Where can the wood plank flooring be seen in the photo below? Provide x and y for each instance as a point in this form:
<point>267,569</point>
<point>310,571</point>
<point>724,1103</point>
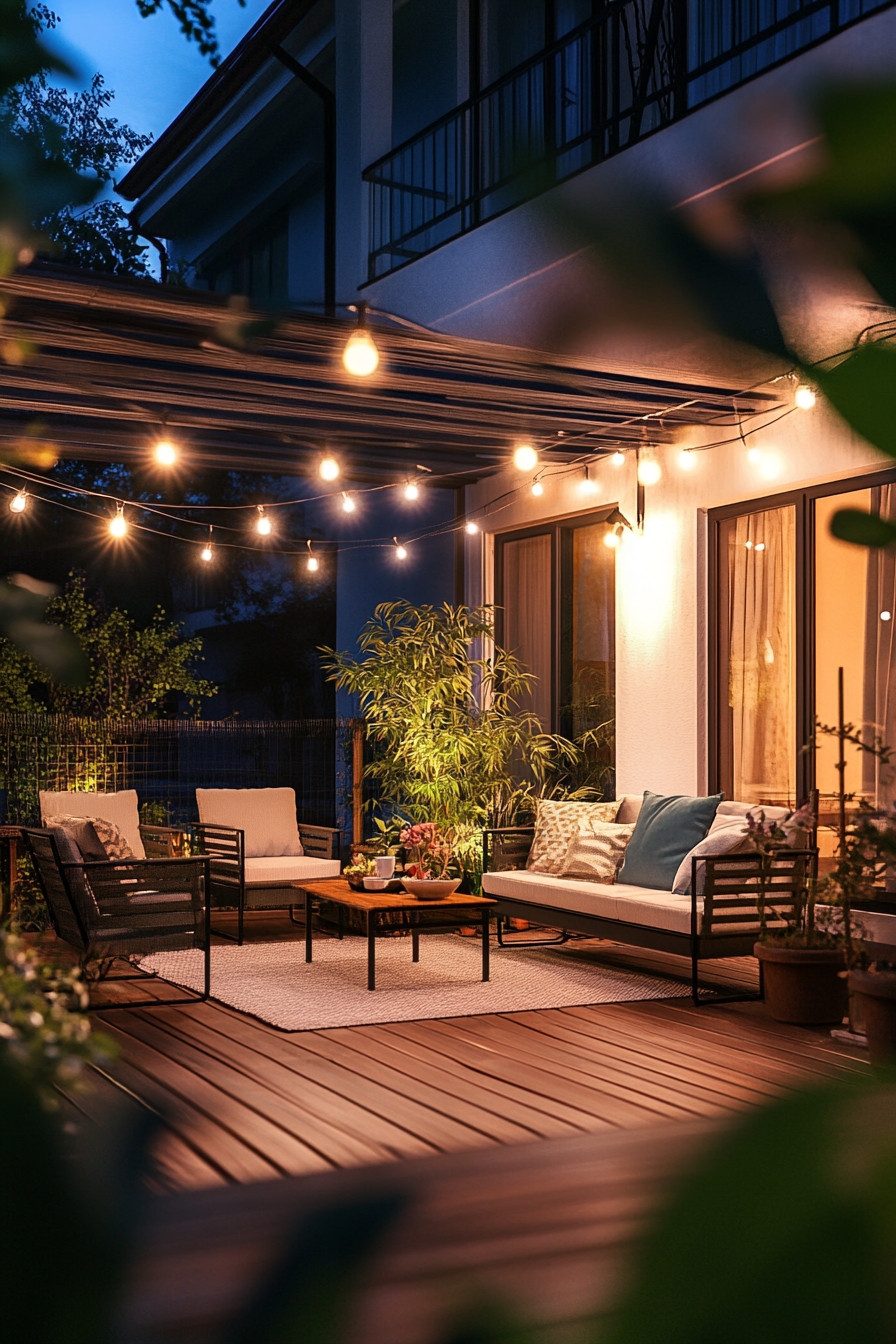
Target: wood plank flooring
<point>242,1102</point>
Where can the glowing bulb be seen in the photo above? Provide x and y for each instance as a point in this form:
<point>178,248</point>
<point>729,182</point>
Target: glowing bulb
<point>769,468</point>
<point>760,545</point>
<point>411,491</point>
<point>754,456</point>
<point>525,457</point>
<point>749,545</point>
<point>587,486</point>
<point>329,469</point>
<point>686,460</point>
<point>804,397</point>
<point>165,453</point>
<point>400,551</point>
<point>471,528</point>
<point>206,553</point>
<point>886,615</point>
<point>360,355</point>
<point>19,502</point>
<point>348,504</point>
<point>118,525</point>
<point>264,523</point>
<point>537,488</point>
<point>649,471</point>
<point>618,459</point>
<point>612,539</point>
<point>313,563</point>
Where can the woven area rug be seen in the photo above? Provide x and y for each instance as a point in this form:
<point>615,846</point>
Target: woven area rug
<point>273,982</point>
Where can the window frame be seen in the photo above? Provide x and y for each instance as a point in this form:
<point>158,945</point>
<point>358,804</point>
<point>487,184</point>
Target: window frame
<point>803,499</point>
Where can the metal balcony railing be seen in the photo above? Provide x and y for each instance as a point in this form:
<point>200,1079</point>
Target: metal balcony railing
<point>635,67</point>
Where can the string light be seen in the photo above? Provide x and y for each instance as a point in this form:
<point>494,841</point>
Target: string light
<point>537,488</point>
<point>649,471</point>
<point>760,546</point>
<point>804,397</point>
<point>525,457</point>
<point>360,356</point>
<point>207,553</point>
<point>264,523</point>
<point>118,525</point>
<point>587,486</point>
<point>612,539</point>
<point>312,562</point>
<point>618,459</point>
<point>886,615</point>
<point>400,551</point>
<point>165,453</point>
<point>329,469</point>
<point>769,467</point>
<point>471,528</point>
<point>754,456</point>
<point>687,460</point>
<point>348,504</point>
<point>19,501</point>
<point>411,491</point>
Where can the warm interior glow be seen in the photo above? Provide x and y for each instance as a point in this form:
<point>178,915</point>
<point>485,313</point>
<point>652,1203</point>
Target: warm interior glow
<point>647,569</point>
<point>360,355</point>
<point>537,488</point>
<point>804,397</point>
<point>329,469</point>
<point>348,504</point>
<point>165,453</point>
<point>411,491</point>
<point>118,525</point>
<point>19,502</point>
<point>649,471</point>
<point>525,457</point>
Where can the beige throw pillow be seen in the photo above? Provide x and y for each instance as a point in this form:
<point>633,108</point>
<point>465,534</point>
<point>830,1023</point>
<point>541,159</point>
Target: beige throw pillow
<point>597,851</point>
<point>556,823</point>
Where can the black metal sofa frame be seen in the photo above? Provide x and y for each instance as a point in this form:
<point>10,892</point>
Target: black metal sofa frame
<point>735,905</point>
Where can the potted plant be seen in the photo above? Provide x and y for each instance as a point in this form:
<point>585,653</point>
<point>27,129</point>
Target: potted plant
<point>428,857</point>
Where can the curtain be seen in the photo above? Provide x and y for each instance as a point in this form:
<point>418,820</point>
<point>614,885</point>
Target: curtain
<point>527,616</point>
<point>879,781</point>
<point>762,655</point>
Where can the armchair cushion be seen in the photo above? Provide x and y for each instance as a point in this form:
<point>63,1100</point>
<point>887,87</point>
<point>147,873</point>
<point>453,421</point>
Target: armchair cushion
<point>120,808</point>
<point>267,818</point>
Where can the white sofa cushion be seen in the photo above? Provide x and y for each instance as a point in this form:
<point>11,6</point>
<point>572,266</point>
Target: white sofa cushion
<point>276,871</point>
<point>597,851</point>
<point>267,816</point>
<point>727,838</point>
<point>119,808</point>
<point>728,810</point>
<point>556,822</point>
<point>628,904</point>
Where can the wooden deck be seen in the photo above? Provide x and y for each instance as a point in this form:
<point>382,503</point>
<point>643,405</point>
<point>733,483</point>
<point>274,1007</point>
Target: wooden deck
<point>241,1101</point>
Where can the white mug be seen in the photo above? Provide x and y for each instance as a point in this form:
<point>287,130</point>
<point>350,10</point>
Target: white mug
<point>385,866</point>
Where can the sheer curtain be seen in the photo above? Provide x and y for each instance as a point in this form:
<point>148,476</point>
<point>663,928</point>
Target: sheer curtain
<point>527,616</point>
<point>879,781</point>
<point>762,655</point>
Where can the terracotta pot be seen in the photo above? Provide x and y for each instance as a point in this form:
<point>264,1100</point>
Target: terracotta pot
<point>803,985</point>
<point>433,890</point>
<point>877,992</point>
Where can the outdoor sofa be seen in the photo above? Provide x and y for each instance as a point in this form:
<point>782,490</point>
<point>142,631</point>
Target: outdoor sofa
<point>718,916</point>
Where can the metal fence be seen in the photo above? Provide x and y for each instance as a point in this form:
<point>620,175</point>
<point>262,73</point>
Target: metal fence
<point>165,760</point>
<point>637,66</point>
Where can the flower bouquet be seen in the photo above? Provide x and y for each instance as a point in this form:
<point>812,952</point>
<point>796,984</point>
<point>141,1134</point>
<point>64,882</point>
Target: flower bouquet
<point>428,855</point>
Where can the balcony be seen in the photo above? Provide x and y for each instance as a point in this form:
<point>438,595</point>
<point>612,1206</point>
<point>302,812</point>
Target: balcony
<point>637,66</point>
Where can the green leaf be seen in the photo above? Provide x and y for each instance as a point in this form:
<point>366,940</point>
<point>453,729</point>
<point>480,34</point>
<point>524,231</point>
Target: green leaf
<point>863,390</point>
<point>23,605</point>
<point>862,529</point>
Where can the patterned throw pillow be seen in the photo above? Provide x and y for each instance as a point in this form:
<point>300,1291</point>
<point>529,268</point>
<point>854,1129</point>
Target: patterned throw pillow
<point>597,851</point>
<point>556,822</point>
<point>111,839</point>
<point>81,830</point>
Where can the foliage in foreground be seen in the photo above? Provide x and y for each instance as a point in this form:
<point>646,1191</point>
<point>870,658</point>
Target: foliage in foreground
<point>131,671</point>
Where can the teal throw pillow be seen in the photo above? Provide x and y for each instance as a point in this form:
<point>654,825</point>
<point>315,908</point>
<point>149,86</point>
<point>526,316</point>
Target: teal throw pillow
<point>667,828</point>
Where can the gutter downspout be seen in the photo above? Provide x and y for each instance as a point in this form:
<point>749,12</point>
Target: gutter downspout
<point>328,99</point>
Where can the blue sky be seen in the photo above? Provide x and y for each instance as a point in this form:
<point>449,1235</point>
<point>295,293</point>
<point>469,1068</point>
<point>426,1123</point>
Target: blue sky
<point>147,62</point>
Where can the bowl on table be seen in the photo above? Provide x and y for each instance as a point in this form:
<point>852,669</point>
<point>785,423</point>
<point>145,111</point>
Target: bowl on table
<point>434,889</point>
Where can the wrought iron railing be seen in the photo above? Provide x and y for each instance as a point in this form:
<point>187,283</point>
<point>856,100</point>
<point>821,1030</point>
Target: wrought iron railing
<point>635,67</point>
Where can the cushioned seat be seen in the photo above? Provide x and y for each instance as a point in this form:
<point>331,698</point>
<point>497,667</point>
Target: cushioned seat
<point>263,872</point>
<point>629,904</point>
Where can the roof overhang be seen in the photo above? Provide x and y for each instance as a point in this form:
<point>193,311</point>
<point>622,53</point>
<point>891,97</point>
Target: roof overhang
<point>114,360</point>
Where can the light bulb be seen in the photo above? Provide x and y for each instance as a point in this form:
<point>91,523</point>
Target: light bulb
<point>686,460</point>
<point>587,486</point>
<point>400,551</point>
<point>525,457</point>
<point>537,488</point>
<point>749,545</point>
<point>754,456</point>
<point>760,546</point>
<point>313,563</point>
<point>360,355</point>
<point>206,553</point>
<point>264,523</point>
<point>618,459</point>
<point>649,471</point>
<point>118,525</point>
<point>471,528</point>
<point>804,397</point>
<point>165,453</point>
<point>612,539</point>
<point>348,504</point>
<point>886,615</point>
<point>411,491</point>
<point>329,469</point>
<point>19,502</point>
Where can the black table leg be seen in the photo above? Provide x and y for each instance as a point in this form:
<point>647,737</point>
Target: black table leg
<point>371,949</point>
<point>308,906</point>
<point>485,967</point>
<point>415,940</point>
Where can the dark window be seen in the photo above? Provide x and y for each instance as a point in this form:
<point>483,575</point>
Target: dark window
<point>424,64</point>
<point>257,266</point>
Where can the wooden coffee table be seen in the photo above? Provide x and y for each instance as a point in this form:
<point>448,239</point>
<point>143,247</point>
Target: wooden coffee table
<point>457,911</point>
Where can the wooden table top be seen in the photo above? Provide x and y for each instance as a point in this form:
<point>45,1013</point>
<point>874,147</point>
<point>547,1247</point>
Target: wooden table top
<point>337,889</point>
